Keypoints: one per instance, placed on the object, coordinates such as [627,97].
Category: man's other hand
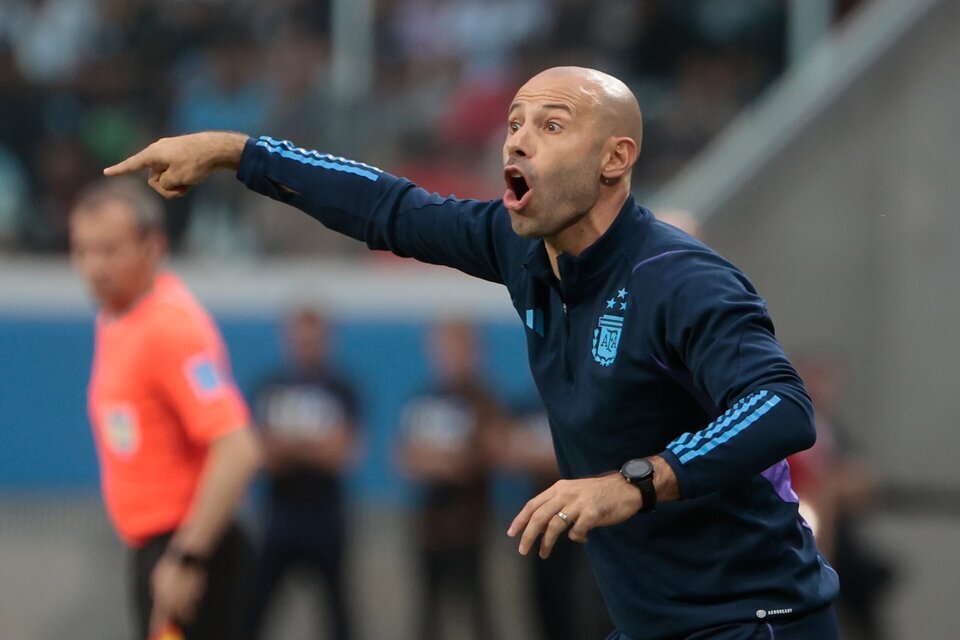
[586,503]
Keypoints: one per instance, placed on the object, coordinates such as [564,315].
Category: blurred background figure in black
[836,488]
[567,604]
[446,434]
[309,415]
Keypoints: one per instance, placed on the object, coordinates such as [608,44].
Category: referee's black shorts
[220,614]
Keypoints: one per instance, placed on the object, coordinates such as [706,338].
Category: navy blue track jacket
[649,343]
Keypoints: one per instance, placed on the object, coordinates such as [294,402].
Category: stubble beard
[573,192]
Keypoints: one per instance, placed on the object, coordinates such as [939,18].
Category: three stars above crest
[621,295]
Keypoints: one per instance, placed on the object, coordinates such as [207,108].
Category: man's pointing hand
[176,164]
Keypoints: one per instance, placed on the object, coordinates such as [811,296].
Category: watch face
[637,468]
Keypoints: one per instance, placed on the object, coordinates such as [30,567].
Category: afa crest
[606,337]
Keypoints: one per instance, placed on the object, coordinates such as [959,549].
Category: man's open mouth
[517,188]
[519,185]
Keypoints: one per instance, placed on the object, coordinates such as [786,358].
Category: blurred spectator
[50,39]
[63,169]
[21,112]
[702,61]
[445,433]
[309,415]
[835,489]
[222,86]
[707,91]
[13,198]
[567,601]
[304,110]
[754,25]
[282,18]
[506,25]
[301,109]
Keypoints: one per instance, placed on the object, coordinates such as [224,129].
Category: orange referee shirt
[160,392]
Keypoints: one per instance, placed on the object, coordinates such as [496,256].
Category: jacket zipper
[567,366]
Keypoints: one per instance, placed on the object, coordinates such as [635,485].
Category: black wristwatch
[639,473]
[186,558]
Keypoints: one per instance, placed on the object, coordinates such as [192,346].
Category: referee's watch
[186,559]
[639,473]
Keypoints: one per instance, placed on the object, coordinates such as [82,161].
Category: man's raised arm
[349,197]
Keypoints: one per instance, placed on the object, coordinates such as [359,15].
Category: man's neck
[120,308]
[576,238]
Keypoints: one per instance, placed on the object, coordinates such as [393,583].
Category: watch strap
[644,483]
[648,492]
[186,558]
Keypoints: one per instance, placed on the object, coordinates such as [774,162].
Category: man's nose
[519,144]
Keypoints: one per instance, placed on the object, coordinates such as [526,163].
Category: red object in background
[809,468]
[445,178]
[477,111]
[802,477]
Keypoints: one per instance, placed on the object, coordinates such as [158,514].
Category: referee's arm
[231,463]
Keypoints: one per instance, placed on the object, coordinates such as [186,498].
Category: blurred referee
[172,432]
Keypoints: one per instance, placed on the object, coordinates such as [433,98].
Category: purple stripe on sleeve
[660,255]
[779,476]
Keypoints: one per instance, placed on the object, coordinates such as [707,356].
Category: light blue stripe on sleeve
[679,446]
[683,438]
[289,146]
[710,445]
[319,161]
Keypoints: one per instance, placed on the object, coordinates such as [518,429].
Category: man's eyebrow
[546,107]
[558,105]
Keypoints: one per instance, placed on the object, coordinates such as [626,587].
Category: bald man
[671,404]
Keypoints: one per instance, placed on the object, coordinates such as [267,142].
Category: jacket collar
[627,229]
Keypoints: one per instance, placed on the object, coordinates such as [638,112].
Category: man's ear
[619,159]
[157,246]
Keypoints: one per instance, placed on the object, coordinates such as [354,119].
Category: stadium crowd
[85,82]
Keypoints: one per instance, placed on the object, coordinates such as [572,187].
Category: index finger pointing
[135,162]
